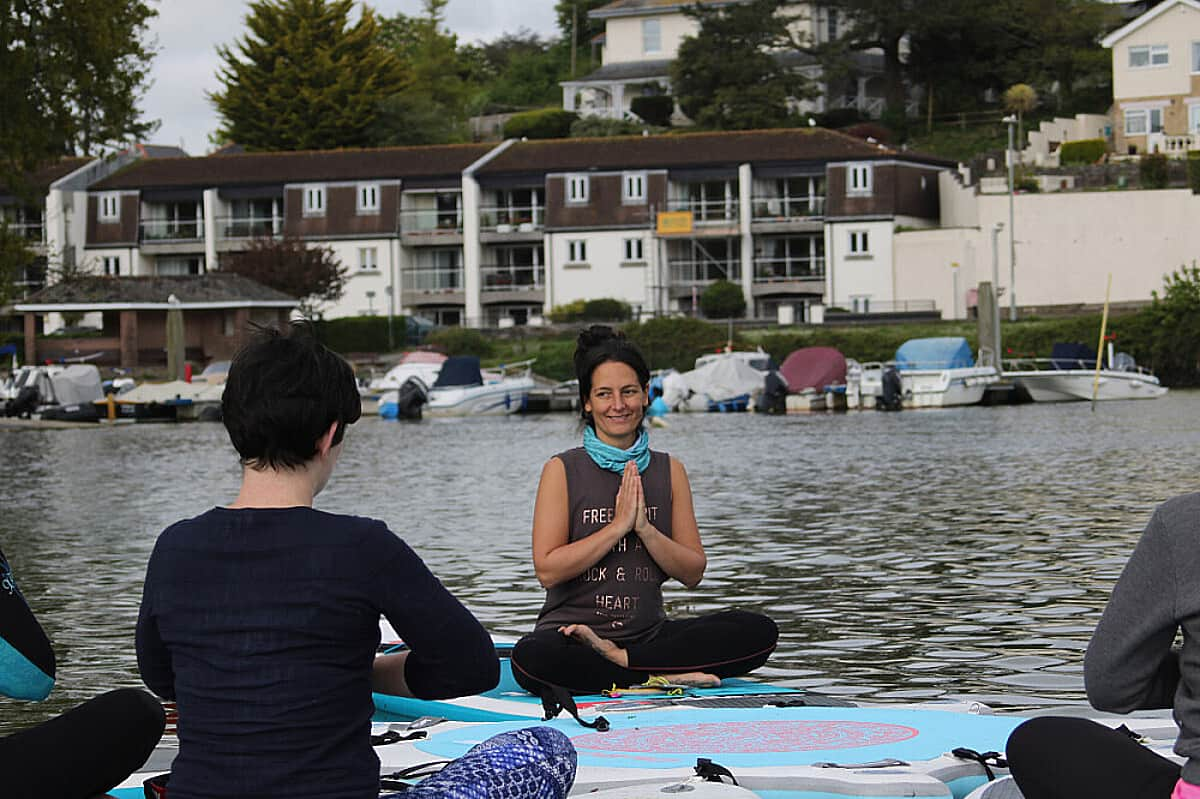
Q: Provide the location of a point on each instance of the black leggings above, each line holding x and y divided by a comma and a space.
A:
85, 751
1053, 757
726, 644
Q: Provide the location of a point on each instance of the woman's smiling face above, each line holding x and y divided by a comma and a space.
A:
617, 403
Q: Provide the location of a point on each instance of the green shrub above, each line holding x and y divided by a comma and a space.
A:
723, 300
1193, 170
1027, 184
461, 341
1152, 171
656, 109
597, 127
360, 333
598, 310
546, 123
675, 342
1083, 151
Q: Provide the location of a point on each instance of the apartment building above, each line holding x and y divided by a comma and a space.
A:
797, 218
493, 236
1156, 80
642, 39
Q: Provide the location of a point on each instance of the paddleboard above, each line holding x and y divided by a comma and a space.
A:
508, 701
778, 753
782, 753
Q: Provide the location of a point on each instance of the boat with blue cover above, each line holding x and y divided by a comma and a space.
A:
933, 373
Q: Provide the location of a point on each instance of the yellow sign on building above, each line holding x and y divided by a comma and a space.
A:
674, 223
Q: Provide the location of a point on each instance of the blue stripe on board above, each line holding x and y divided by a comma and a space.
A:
763, 794
19, 677
393, 708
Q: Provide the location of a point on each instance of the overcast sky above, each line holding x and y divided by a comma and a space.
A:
188, 33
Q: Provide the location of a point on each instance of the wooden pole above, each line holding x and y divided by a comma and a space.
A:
1100, 346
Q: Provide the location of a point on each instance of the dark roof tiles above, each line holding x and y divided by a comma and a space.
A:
211, 287
295, 167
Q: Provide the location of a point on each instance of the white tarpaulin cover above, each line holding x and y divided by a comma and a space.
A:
77, 384
718, 381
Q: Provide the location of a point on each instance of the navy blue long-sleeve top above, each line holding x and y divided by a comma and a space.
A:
262, 624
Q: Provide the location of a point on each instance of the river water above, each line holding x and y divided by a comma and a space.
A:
910, 556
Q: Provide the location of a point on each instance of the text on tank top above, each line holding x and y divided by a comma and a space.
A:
620, 597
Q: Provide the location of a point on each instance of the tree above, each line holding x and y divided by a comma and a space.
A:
311, 274
72, 75
304, 77
723, 300
16, 259
727, 77
1020, 99
578, 29
432, 108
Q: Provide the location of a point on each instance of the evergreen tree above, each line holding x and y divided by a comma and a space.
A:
304, 77
72, 73
727, 75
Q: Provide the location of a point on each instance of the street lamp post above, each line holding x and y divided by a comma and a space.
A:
996, 228
1011, 121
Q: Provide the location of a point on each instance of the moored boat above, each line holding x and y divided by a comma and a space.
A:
463, 389
932, 373
1069, 375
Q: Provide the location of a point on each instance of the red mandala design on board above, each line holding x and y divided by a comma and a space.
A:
746, 737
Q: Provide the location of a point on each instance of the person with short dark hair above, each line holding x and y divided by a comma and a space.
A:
101, 742
613, 520
261, 619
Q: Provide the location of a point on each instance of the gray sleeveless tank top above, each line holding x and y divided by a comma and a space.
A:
620, 597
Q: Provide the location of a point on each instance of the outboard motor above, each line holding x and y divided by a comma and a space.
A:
893, 391
411, 396
774, 395
25, 403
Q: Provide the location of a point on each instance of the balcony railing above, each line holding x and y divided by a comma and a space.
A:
249, 227
433, 279
512, 220
711, 211
30, 231
782, 208
779, 270
431, 221
172, 229
701, 273
512, 278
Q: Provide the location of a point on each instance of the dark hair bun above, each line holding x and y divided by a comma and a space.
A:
595, 335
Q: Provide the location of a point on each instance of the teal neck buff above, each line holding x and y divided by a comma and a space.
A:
614, 458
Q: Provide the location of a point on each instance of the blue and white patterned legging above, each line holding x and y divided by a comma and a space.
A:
533, 763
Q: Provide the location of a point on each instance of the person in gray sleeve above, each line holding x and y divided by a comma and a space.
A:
1132, 663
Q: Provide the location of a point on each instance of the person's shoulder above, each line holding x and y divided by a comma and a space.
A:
355, 529
185, 529
1179, 513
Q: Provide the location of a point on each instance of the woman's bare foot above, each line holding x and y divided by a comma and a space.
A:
696, 679
585, 635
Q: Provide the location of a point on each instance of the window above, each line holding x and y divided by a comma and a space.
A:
651, 36
859, 243
858, 179
368, 198
860, 304
112, 265
367, 259
634, 250
577, 189
110, 207
184, 265
1195, 56
1148, 55
314, 200
1140, 121
1194, 118
633, 187
831, 20
576, 251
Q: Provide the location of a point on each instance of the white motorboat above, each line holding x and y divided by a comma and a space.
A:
1069, 375
383, 394
462, 388
64, 393
932, 372
729, 380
